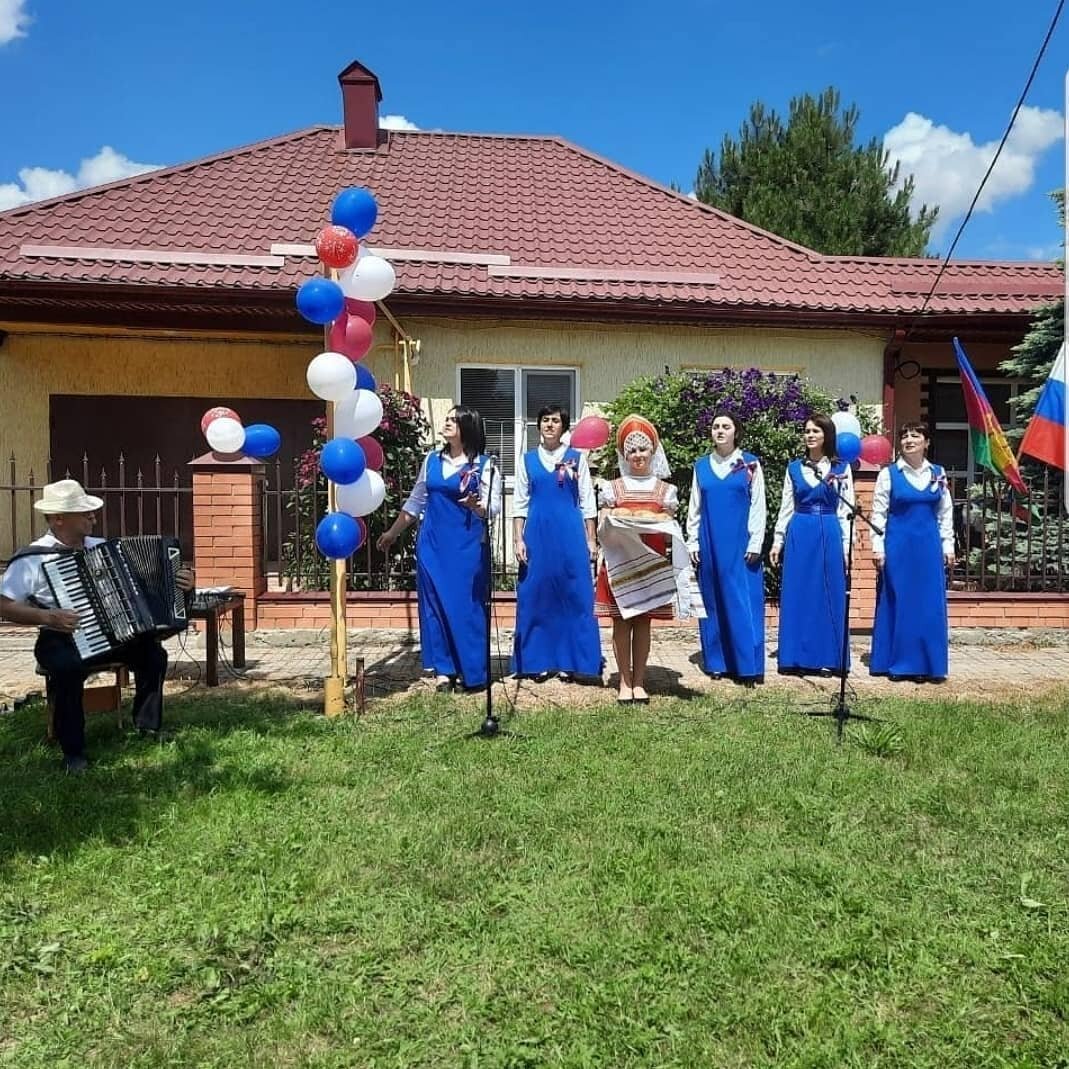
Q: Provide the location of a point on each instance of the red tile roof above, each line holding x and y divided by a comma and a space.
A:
563, 224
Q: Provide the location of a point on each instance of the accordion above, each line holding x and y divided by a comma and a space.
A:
122, 588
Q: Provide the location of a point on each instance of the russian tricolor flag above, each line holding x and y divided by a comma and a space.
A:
1045, 436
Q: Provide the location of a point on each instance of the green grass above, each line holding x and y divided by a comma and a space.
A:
689, 885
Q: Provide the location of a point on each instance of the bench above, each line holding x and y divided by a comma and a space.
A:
232, 605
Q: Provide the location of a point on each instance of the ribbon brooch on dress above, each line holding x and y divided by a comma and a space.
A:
741, 465
567, 469
939, 482
470, 483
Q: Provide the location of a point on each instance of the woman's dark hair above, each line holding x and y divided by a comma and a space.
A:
826, 425
735, 422
914, 425
472, 432
555, 410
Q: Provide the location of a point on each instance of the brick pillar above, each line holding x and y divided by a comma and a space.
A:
228, 539
863, 591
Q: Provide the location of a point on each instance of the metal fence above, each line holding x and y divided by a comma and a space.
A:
135, 502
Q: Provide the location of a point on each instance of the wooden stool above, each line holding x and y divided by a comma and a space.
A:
103, 698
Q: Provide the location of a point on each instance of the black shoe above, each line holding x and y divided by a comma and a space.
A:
445, 686
566, 677
75, 764
542, 677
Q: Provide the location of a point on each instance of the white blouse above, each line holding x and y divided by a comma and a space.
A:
786, 505
417, 500
920, 478
607, 496
755, 524
521, 495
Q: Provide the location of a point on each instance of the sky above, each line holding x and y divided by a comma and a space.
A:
96, 90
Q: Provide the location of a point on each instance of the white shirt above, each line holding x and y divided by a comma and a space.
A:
786, 505
755, 524
25, 578
417, 500
920, 478
521, 495
607, 497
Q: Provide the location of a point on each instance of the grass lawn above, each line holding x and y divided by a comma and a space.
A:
693, 884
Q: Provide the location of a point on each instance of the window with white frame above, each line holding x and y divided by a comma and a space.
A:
508, 399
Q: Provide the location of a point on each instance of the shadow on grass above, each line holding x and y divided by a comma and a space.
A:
132, 780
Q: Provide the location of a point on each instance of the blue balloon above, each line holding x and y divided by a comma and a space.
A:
848, 446
338, 535
261, 440
356, 209
342, 461
320, 300
364, 379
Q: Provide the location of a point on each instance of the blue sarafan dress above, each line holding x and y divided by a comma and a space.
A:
733, 631
813, 595
555, 626
909, 635
452, 576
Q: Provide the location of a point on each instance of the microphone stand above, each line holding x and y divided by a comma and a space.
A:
841, 711
491, 726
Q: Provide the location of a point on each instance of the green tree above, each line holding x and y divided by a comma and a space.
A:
808, 181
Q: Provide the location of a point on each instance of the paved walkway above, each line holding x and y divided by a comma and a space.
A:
392, 667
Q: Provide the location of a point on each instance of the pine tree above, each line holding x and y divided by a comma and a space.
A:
809, 182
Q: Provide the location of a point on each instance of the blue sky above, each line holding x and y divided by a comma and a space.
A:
93, 90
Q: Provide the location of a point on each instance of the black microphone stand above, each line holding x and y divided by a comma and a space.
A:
841, 711
491, 726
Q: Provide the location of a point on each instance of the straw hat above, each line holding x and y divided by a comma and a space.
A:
66, 496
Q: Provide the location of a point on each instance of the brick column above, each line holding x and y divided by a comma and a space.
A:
228, 540
863, 592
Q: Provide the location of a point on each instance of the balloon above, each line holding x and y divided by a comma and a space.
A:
261, 440
371, 278
225, 435
848, 446
336, 246
320, 301
215, 413
351, 336
362, 309
846, 423
356, 209
337, 535
364, 496
331, 376
372, 452
591, 432
342, 461
875, 449
358, 414
364, 379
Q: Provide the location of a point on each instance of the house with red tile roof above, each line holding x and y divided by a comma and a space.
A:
528, 268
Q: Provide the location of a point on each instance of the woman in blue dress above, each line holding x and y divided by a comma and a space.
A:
452, 497
553, 535
912, 506
725, 535
812, 537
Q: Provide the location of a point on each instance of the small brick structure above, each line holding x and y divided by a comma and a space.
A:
228, 548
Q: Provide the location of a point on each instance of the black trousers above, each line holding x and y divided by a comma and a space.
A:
67, 673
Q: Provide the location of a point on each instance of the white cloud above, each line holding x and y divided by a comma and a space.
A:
947, 166
40, 183
396, 122
13, 20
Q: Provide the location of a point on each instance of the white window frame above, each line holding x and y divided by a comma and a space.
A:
519, 418
969, 475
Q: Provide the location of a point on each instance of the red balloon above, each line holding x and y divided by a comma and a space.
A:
364, 309
372, 452
591, 432
351, 336
215, 413
336, 246
875, 449
361, 527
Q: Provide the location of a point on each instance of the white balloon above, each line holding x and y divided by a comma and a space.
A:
371, 278
225, 435
331, 376
363, 496
357, 414
846, 423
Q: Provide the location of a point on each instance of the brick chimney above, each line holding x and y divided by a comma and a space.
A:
360, 96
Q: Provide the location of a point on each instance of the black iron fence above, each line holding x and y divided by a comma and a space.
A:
136, 502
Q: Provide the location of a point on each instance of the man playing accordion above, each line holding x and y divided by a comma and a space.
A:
26, 598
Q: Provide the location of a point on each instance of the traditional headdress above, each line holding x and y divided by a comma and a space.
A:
637, 431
